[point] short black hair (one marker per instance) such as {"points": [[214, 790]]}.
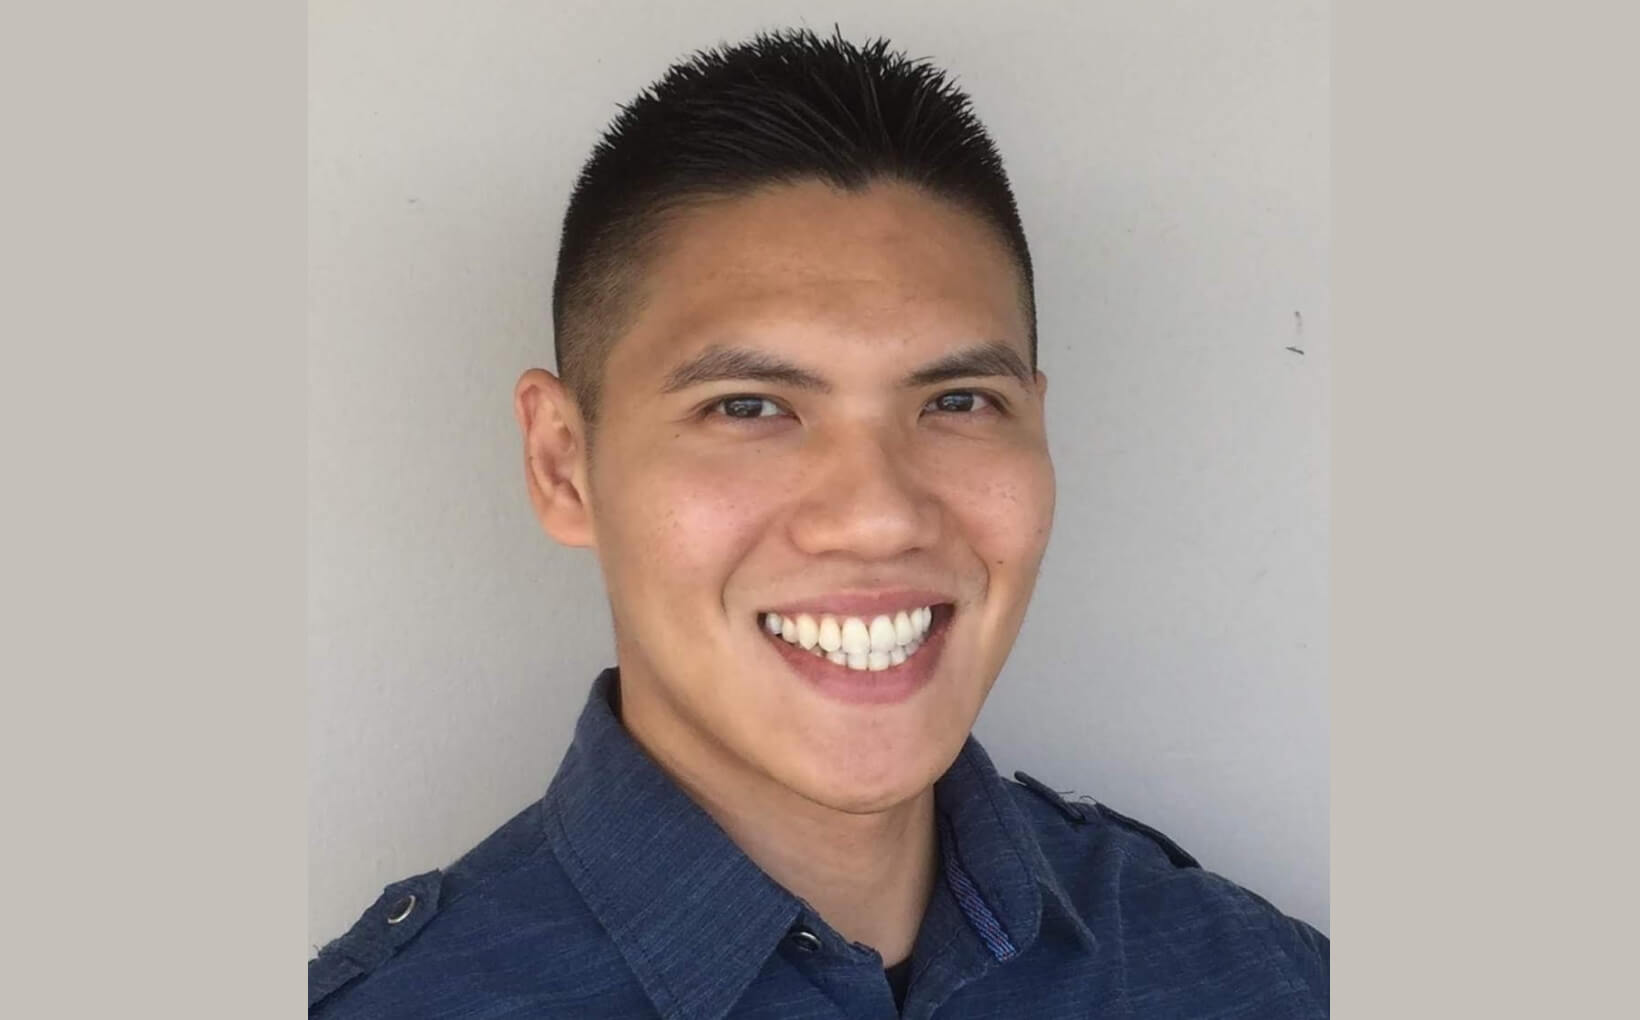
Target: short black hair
{"points": [[784, 107]]}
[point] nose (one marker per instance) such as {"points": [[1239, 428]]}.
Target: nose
{"points": [[865, 499]]}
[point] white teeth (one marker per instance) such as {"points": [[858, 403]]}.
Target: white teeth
{"points": [[883, 642], [856, 639], [902, 628], [882, 634], [807, 631], [831, 635]]}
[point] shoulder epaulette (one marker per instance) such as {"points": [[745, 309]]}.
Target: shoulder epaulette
{"points": [[1080, 813], [402, 910]]}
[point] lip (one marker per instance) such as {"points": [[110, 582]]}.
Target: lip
{"points": [[864, 604], [864, 687]]}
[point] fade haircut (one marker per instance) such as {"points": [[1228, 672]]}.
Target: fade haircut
{"points": [[786, 106]]}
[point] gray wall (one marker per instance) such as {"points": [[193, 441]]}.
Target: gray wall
{"points": [[1171, 163]]}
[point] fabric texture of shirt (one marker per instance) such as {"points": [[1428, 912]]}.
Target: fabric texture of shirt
{"points": [[615, 895]]}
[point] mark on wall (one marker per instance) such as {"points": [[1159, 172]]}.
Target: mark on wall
{"points": [[1298, 327]]}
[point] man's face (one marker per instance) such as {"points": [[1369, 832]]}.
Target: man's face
{"points": [[709, 512]]}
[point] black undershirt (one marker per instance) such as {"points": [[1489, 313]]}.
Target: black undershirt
{"points": [[899, 978]]}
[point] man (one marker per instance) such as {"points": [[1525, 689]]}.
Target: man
{"points": [[800, 421]]}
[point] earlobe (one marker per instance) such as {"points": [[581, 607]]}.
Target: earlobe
{"points": [[554, 457]]}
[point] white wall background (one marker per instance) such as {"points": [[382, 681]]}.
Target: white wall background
{"points": [[1171, 163]]}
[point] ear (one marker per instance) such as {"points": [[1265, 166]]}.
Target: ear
{"points": [[555, 462], [1041, 386]]}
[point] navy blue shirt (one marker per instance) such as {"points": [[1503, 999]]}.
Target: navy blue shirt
{"points": [[615, 895]]}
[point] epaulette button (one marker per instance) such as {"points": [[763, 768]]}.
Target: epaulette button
{"points": [[401, 909]]}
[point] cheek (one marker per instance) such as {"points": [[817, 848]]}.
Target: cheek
{"points": [[696, 518], [1005, 505]]}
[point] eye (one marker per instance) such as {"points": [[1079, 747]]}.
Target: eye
{"points": [[742, 407], [962, 402], [750, 407]]}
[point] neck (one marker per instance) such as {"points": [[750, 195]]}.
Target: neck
{"points": [[868, 875]]}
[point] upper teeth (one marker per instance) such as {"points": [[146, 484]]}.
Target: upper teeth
{"points": [[875, 643]]}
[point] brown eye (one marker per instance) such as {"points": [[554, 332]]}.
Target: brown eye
{"points": [[744, 408], [963, 402]]}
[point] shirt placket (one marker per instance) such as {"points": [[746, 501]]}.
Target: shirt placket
{"points": [[848, 974]]}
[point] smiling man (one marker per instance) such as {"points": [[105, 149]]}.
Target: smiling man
{"points": [[799, 420]]}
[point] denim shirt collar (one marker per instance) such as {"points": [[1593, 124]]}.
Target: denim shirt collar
{"points": [[697, 920]]}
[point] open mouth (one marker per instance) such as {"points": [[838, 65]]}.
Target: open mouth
{"points": [[876, 644]]}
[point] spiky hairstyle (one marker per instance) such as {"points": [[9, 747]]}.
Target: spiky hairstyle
{"points": [[783, 107]]}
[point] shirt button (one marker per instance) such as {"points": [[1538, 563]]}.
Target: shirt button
{"points": [[804, 941], [401, 909]]}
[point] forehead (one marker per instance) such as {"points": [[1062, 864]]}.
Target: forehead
{"points": [[811, 268]]}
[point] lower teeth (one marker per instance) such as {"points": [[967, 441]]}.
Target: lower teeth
{"points": [[866, 662]]}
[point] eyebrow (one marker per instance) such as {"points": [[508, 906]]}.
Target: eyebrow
{"points": [[719, 363]]}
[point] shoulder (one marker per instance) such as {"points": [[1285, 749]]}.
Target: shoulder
{"points": [[1133, 883], [448, 942], [1078, 821]]}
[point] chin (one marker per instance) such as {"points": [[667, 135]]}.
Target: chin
{"points": [[868, 786], [847, 768], [863, 802]]}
